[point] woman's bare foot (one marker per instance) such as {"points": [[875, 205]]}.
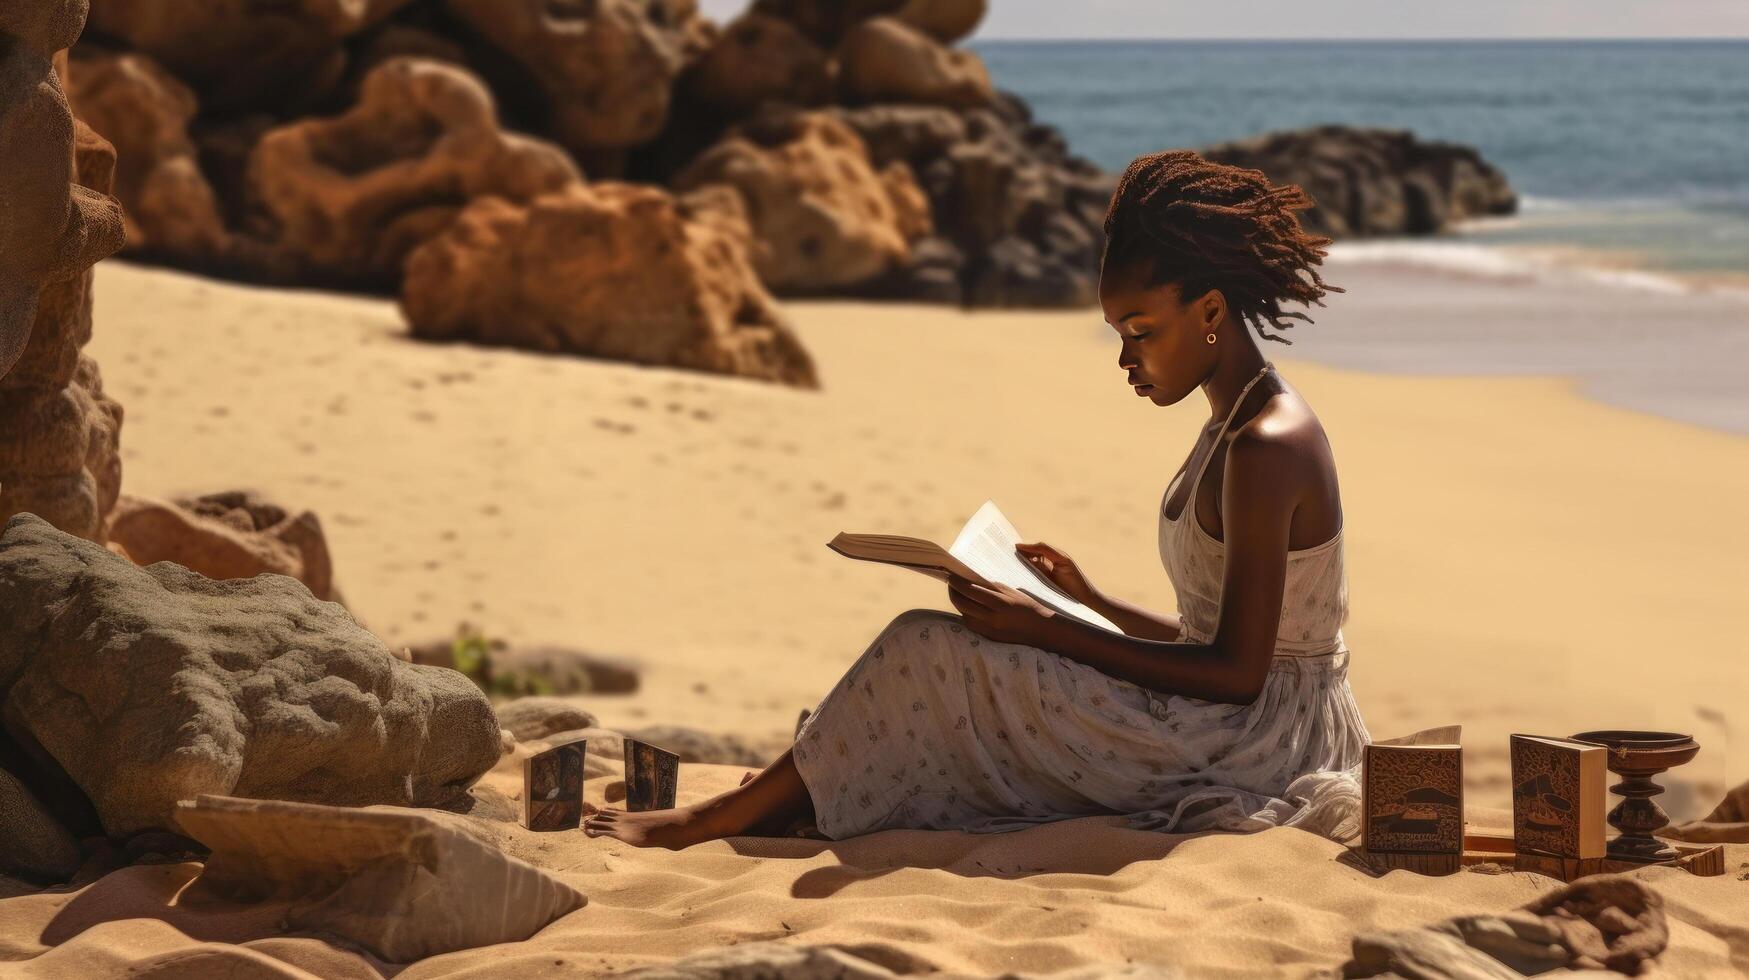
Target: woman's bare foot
{"points": [[674, 829]]}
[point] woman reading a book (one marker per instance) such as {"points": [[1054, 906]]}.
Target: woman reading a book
{"points": [[1232, 713]]}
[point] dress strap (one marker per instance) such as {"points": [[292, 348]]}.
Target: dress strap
{"points": [[1196, 479]]}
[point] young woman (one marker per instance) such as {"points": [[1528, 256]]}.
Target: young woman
{"points": [[1235, 712]]}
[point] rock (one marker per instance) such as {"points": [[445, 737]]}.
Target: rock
{"points": [[945, 20], [226, 536], [59, 433], [352, 195], [1611, 922], [696, 745], [244, 52], [825, 21], [760, 59], [151, 685], [612, 270], [1727, 823], [912, 134], [887, 60], [606, 67], [538, 717], [1374, 181], [821, 215], [395, 882], [33, 844], [567, 671], [169, 207]]}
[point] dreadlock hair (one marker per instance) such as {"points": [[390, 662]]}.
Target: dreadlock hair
{"points": [[1208, 225]]}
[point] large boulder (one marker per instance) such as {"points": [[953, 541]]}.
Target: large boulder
{"points": [[33, 844], [821, 216], [351, 196], [244, 52], [236, 534], [144, 111], [827, 21], [151, 685], [60, 434], [606, 67], [610, 270], [54, 229], [1374, 181], [945, 20], [759, 59], [887, 60], [398, 883]]}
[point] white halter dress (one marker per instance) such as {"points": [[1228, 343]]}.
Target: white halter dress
{"points": [[936, 727]]}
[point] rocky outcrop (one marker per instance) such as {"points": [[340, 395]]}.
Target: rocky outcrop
{"points": [[607, 67], [393, 881], [229, 535], [821, 217], [760, 59], [170, 209], [538, 717], [1018, 218], [349, 197], [59, 434], [887, 60], [243, 52], [1374, 181], [152, 685], [1602, 922], [609, 270], [697, 745]]}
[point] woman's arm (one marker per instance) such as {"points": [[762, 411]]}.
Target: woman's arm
{"points": [[1257, 505], [1136, 621]]}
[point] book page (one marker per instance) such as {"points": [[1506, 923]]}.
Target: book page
{"points": [[986, 545]]}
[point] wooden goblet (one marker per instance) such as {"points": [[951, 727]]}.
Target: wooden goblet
{"points": [[1636, 757]]}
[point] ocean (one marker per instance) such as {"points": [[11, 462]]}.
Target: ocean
{"points": [[1631, 158]]}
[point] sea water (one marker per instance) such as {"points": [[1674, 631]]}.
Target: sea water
{"points": [[1631, 158]]}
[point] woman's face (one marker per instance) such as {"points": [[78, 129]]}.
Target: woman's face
{"points": [[1165, 353]]}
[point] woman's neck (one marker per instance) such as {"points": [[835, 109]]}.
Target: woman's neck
{"points": [[1231, 375]]}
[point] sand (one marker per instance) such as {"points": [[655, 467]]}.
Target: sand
{"points": [[1521, 558]]}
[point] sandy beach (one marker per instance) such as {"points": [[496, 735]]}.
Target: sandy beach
{"points": [[1522, 558]]}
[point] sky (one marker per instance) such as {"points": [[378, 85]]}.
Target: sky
{"points": [[1058, 19]]}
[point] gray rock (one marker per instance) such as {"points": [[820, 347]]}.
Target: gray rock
{"points": [[33, 844], [532, 718], [151, 685], [394, 881]]}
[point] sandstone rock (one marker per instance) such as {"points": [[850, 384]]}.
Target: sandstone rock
{"points": [[151, 685], [55, 229], [760, 59], [226, 536], [1374, 181], [887, 60], [244, 52], [352, 195], [59, 433], [822, 217], [393, 881], [568, 671], [945, 20], [33, 844], [697, 745], [606, 67], [170, 208], [1611, 922], [532, 718], [612, 270], [825, 21]]}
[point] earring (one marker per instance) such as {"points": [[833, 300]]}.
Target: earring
{"points": [[1211, 338]]}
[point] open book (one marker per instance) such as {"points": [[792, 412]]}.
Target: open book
{"points": [[983, 553]]}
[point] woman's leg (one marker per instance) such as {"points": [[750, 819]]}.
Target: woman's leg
{"points": [[773, 798]]}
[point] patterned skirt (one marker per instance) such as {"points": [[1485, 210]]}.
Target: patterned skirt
{"points": [[936, 727]]}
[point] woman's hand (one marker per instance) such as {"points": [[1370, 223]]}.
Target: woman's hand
{"points": [[1005, 614], [1058, 569]]}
